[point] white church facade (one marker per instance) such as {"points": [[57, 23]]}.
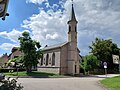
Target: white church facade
{"points": [[63, 58]]}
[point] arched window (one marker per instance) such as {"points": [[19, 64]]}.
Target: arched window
{"points": [[75, 29], [53, 59], [47, 57], [75, 68], [50, 61], [42, 60], [69, 28]]}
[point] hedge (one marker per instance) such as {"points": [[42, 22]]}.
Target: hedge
{"points": [[9, 69]]}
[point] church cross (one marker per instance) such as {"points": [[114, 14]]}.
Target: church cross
{"points": [[72, 2]]}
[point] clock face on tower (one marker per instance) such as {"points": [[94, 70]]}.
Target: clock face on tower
{"points": [[2, 6]]}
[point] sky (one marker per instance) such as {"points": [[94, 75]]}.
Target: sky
{"points": [[46, 21]]}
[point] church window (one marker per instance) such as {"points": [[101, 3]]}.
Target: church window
{"points": [[75, 37], [47, 57], [75, 29], [53, 59], [50, 61], [75, 69], [42, 60], [69, 28]]}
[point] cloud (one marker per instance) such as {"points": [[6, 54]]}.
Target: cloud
{"points": [[1, 55], [36, 1], [13, 35], [99, 18], [52, 36], [47, 26], [7, 46]]}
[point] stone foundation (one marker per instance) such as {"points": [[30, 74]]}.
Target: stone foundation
{"points": [[49, 70]]}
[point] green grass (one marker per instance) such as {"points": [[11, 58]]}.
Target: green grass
{"points": [[112, 83], [34, 74]]}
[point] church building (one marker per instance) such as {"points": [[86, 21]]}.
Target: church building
{"points": [[63, 58]]}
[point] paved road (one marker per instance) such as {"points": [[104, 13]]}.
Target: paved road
{"points": [[74, 83]]}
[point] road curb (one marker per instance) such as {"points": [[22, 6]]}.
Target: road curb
{"points": [[40, 76]]}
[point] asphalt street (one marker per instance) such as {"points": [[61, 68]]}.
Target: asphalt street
{"points": [[70, 83]]}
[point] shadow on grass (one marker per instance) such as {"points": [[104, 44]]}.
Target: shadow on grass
{"points": [[33, 74], [41, 74]]}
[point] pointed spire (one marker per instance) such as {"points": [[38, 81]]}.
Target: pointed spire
{"points": [[73, 18], [73, 14]]}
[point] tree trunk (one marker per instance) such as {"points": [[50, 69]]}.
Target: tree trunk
{"points": [[84, 71], [29, 69]]}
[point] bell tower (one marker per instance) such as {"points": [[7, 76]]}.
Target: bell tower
{"points": [[72, 23], [73, 62]]}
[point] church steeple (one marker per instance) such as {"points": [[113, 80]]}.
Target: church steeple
{"points": [[73, 60], [73, 14], [73, 17], [72, 23]]}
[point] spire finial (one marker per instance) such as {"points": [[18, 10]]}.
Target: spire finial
{"points": [[73, 13], [73, 18], [72, 2]]}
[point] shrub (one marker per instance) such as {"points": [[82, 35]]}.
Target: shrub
{"points": [[3, 70], [7, 69], [10, 84]]}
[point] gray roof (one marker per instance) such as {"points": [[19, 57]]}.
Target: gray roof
{"points": [[54, 46]]}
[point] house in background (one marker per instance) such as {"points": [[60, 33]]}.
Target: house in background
{"points": [[3, 60], [15, 53]]}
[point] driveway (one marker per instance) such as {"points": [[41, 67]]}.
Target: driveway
{"points": [[72, 83]]}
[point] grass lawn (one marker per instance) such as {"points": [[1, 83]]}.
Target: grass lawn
{"points": [[34, 73], [112, 83]]}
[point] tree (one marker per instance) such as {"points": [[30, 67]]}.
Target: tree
{"points": [[103, 50], [89, 62], [31, 50], [84, 65], [15, 60], [93, 62]]}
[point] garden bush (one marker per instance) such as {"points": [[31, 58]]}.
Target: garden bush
{"points": [[10, 84], [4, 70]]}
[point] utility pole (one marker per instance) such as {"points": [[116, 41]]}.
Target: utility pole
{"points": [[3, 9]]}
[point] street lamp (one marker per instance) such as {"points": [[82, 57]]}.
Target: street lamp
{"points": [[3, 9]]}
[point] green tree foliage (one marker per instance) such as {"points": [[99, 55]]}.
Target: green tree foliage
{"points": [[89, 62], [17, 60], [93, 62], [84, 64], [31, 50], [103, 50]]}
